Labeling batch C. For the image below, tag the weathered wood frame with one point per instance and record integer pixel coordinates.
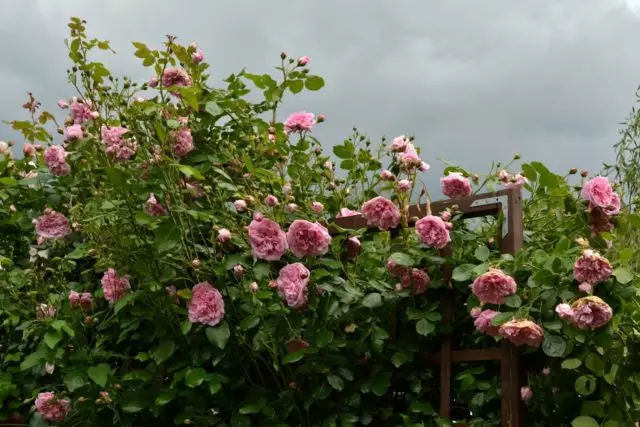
(507, 202)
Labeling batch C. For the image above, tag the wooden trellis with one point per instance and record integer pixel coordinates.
(507, 202)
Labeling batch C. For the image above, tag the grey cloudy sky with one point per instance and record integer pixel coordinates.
(472, 80)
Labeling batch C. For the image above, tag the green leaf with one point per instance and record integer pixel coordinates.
(190, 171)
(502, 318)
(583, 421)
(372, 300)
(261, 270)
(585, 385)
(250, 322)
(165, 397)
(554, 346)
(571, 364)
(37, 421)
(31, 360)
(164, 351)
(74, 380)
(314, 82)
(402, 258)
(240, 421)
(219, 335)
(194, 377)
(399, 358)
(167, 236)
(482, 253)
(529, 172)
(513, 301)
(9, 182)
(335, 382)
(623, 275)
(595, 364)
(251, 408)
(52, 338)
(324, 338)
(424, 327)
(295, 85)
(610, 377)
(116, 177)
(132, 402)
(343, 151)
(293, 357)
(463, 272)
(611, 423)
(123, 302)
(213, 108)
(99, 374)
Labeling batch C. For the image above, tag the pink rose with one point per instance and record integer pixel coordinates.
(308, 238)
(483, 323)
(114, 287)
(598, 192)
(515, 181)
(475, 312)
(175, 77)
(206, 305)
(52, 225)
(153, 82)
(345, 212)
(291, 208)
(418, 281)
(521, 332)
(493, 286)
(81, 112)
(153, 207)
(455, 185)
(614, 207)
(73, 133)
(240, 205)
(564, 311)
(63, 104)
(585, 287)
(182, 141)
(399, 144)
(433, 231)
(381, 212)
(424, 167)
(526, 393)
(197, 57)
(404, 185)
(52, 408)
(238, 271)
(224, 235)
(396, 269)
(29, 150)
(267, 240)
(292, 284)
(271, 200)
(317, 207)
(45, 311)
(55, 157)
(299, 122)
(353, 246)
(409, 159)
(303, 60)
(84, 300)
(590, 313)
(387, 175)
(592, 268)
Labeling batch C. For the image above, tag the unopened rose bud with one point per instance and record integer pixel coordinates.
(445, 215)
(353, 245)
(4, 147)
(12, 208)
(272, 129)
(238, 271)
(303, 60)
(271, 200)
(292, 385)
(350, 328)
(331, 186)
(273, 284)
(291, 208)
(387, 175)
(398, 286)
(272, 137)
(585, 287)
(475, 178)
(253, 287)
(546, 371)
(195, 263)
(581, 241)
(49, 368)
(321, 118)
(526, 393)
(328, 165)
(224, 235)
(584, 173)
(240, 205)
(40, 147)
(60, 131)
(317, 207)
(424, 167)
(286, 189)
(573, 171)
(491, 240)
(88, 320)
(283, 55)
(404, 185)
(29, 150)
(516, 156)
(92, 252)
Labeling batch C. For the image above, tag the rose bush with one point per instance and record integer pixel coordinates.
(169, 260)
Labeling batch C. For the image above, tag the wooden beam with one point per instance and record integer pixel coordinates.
(466, 356)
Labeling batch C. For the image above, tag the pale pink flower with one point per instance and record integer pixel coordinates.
(63, 104)
(182, 141)
(546, 371)
(387, 175)
(290, 208)
(404, 185)
(52, 408)
(303, 60)
(253, 287)
(592, 268)
(240, 205)
(197, 57)
(614, 207)
(49, 368)
(526, 393)
(292, 284)
(317, 207)
(153, 82)
(286, 189)
(345, 212)
(114, 287)
(590, 313)
(521, 332)
(238, 271)
(271, 200)
(424, 167)
(585, 287)
(433, 231)
(206, 305)
(55, 157)
(224, 235)
(504, 176)
(45, 311)
(381, 212)
(153, 207)
(399, 144)
(328, 166)
(515, 181)
(483, 323)
(52, 225)
(446, 216)
(272, 137)
(81, 112)
(29, 150)
(308, 238)
(299, 122)
(475, 312)
(268, 241)
(73, 133)
(115, 145)
(175, 77)
(598, 192)
(564, 311)
(112, 135)
(417, 280)
(409, 159)
(493, 286)
(455, 185)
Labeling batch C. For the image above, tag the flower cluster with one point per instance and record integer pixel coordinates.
(55, 157)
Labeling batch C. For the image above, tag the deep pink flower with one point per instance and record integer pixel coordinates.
(396, 269)
(224, 235)
(387, 175)
(526, 393)
(175, 77)
(55, 157)
(299, 122)
(308, 238)
(268, 241)
(182, 141)
(292, 284)
(81, 112)
(52, 225)
(153, 207)
(399, 144)
(404, 185)
(564, 311)
(271, 200)
(418, 281)
(455, 185)
(483, 321)
(73, 133)
(197, 57)
(345, 212)
(114, 287)
(206, 305)
(521, 332)
(303, 60)
(433, 231)
(592, 268)
(598, 192)
(409, 159)
(599, 221)
(51, 407)
(590, 313)
(317, 207)
(381, 212)
(493, 286)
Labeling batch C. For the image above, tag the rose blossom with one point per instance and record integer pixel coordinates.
(590, 313)
(292, 284)
(114, 287)
(63, 104)
(51, 408)
(521, 332)
(396, 269)
(182, 141)
(493, 286)
(175, 77)
(526, 393)
(455, 185)
(424, 167)
(585, 287)
(286, 189)
(308, 238)
(353, 245)
(290, 208)
(433, 231)
(153, 82)
(599, 193)
(224, 235)
(592, 268)
(52, 225)
(240, 205)
(73, 133)
(153, 206)
(55, 158)
(516, 181)
(4, 148)
(404, 185)
(45, 311)
(418, 281)
(299, 122)
(303, 60)
(115, 145)
(253, 287)
(399, 144)
(206, 305)
(238, 271)
(387, 175)
(268, 241)
(381, 212)
(564, 311)
(409, 158)
(197, 57)
(81, 111)
(317, 207)
(84, 300)
(271, 200)
(345, 212)
(599, 221)
(475, 312)
(483, 321)
(28, 149)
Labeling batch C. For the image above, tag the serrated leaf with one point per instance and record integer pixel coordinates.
(402, 258)
(74, 380)
(463, 272)
(482, 253)
(213, 108)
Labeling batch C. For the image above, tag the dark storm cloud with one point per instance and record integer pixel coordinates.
(473, 81)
